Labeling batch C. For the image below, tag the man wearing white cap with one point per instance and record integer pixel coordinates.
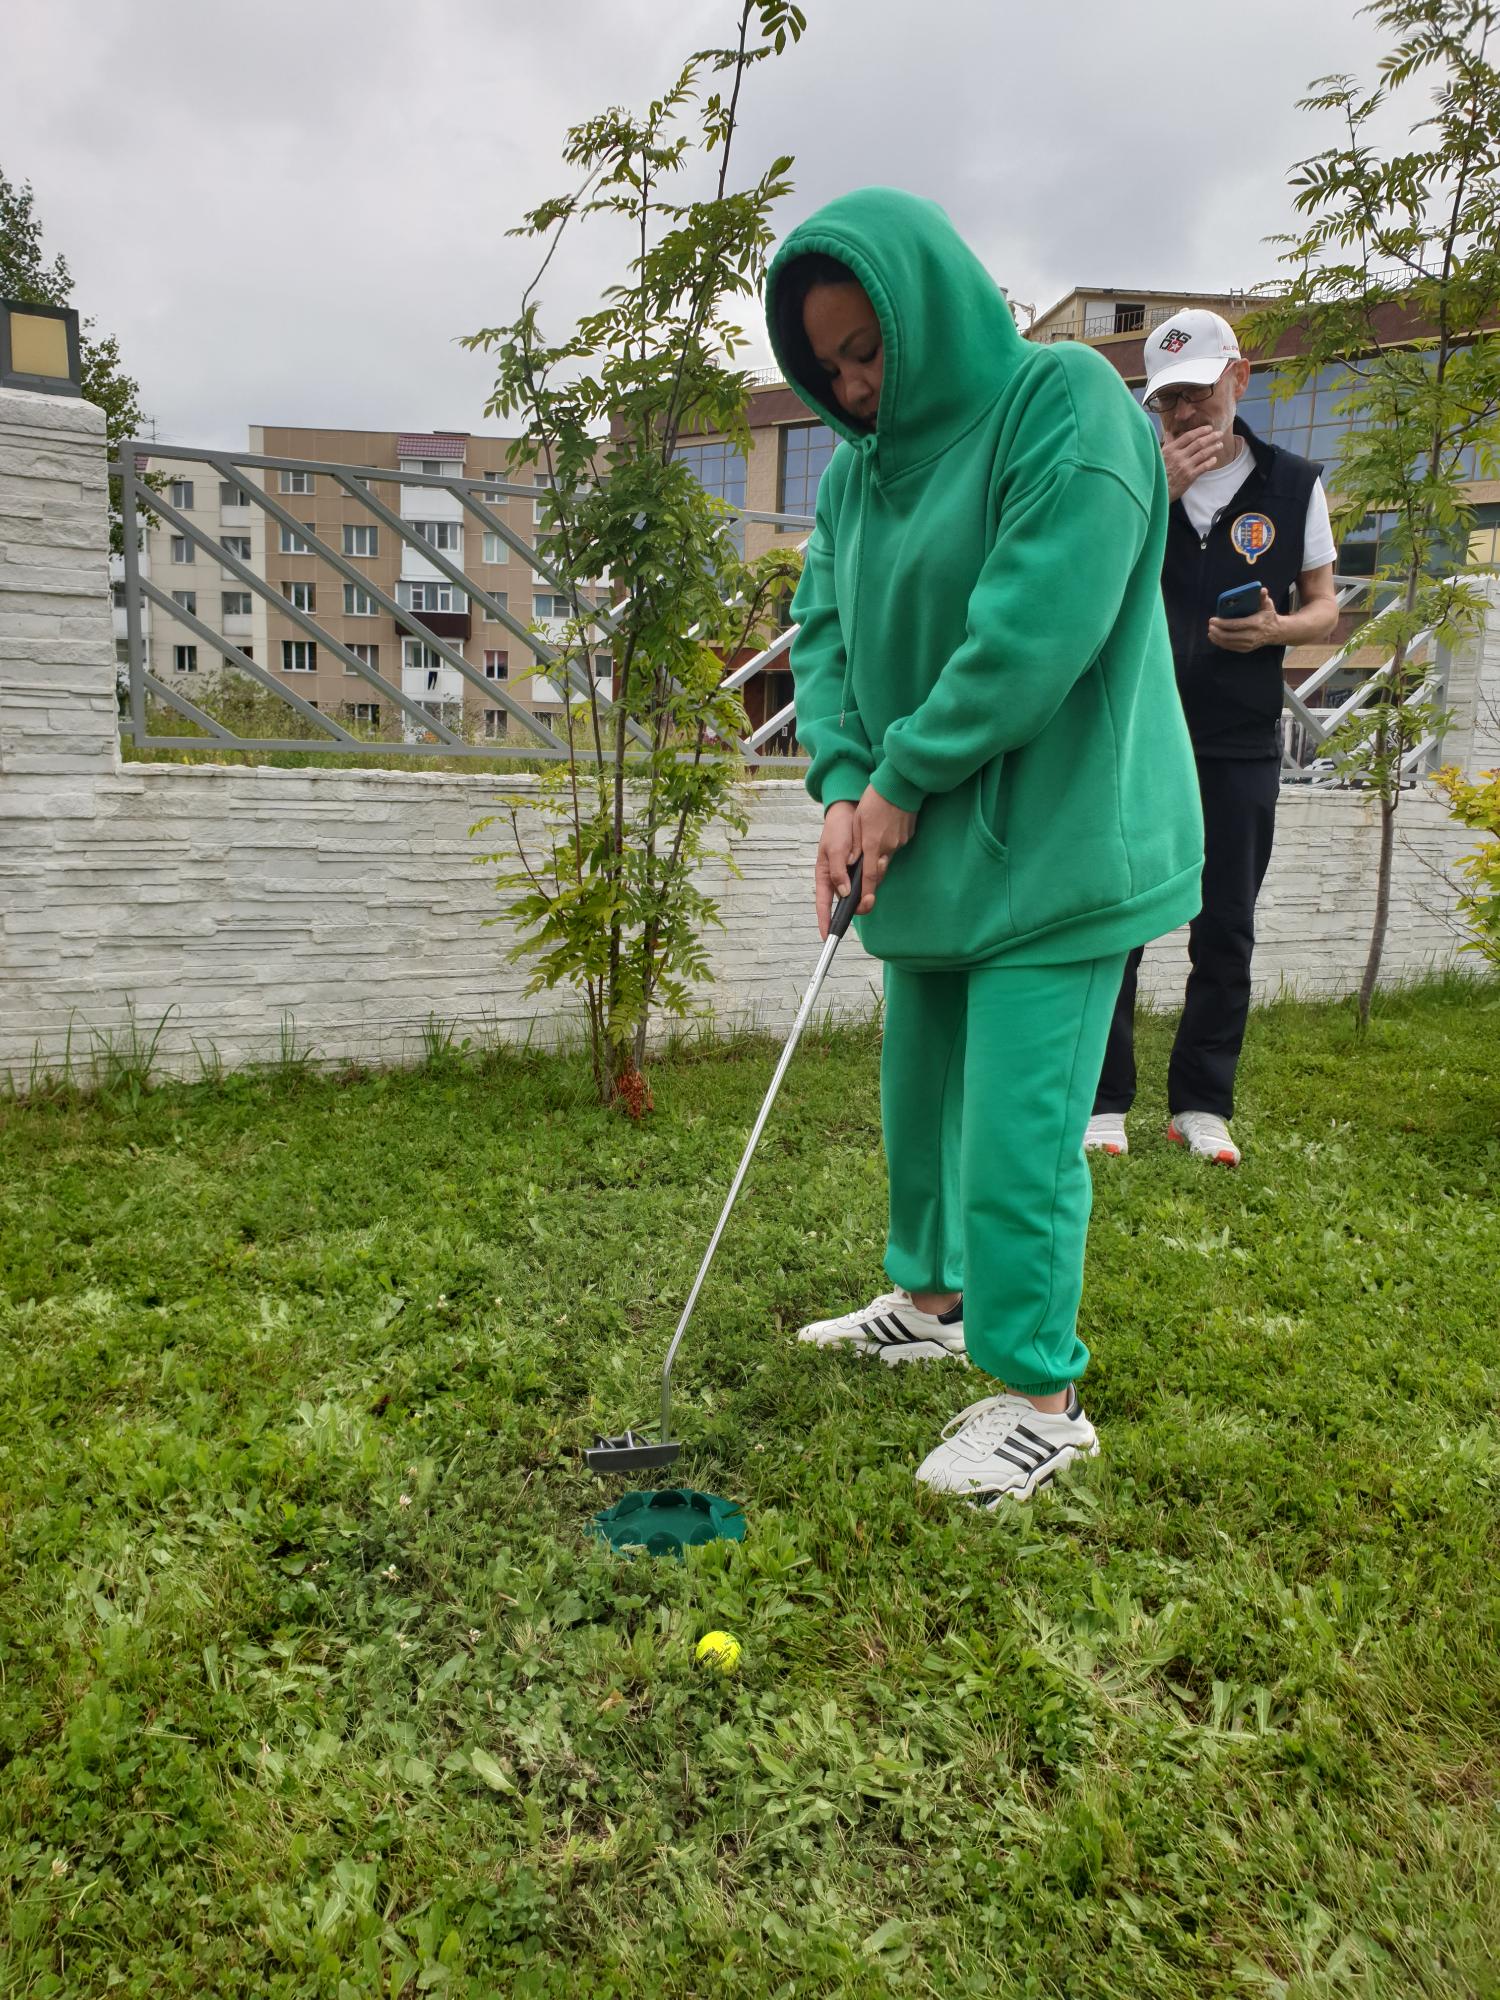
(1244, 513)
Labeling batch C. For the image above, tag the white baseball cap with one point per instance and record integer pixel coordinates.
(1193, 346)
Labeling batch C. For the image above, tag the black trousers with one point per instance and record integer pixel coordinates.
(1239, 819)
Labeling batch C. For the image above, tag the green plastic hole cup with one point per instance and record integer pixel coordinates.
(667, 1522)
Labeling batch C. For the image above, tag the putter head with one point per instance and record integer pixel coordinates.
(629, 1453)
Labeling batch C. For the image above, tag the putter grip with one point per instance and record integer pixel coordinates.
(845, 907)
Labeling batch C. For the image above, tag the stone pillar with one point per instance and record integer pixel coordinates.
(57, 654)
(59, 737)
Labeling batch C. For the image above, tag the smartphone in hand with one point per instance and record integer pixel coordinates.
(1241, 602)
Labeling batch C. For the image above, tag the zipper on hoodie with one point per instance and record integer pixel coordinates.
(1199, 604)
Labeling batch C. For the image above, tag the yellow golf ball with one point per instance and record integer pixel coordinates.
(720, 1650)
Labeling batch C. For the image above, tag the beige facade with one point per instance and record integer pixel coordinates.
(354, 617)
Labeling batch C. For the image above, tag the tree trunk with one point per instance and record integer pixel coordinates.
(1382, 904)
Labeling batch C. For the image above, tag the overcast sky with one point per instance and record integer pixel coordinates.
(287, 211)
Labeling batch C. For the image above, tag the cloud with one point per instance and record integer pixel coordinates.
(289, 213)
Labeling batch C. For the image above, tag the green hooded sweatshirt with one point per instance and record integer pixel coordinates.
(982, 634)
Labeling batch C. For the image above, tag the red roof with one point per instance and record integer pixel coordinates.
(417, 444)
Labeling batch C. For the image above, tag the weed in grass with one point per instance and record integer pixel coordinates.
(123, 1061)
(295, 1061)
(312, 1682)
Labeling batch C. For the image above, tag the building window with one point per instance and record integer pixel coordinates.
(292, 543)
(494, 499)
(496, 723)
(718, 468)
(182, 494)
(604, 672)
(362, 541)
(501, 600)
(185, 659)
(117, 596)
(367, 712)
(358, 603)
(248, 651)
(299, 656)
(296, 482)
(441, 534)
(417, 657)
(496, 665)
(368, 655)
(495, 549)
(430, 597)
(539, 507)
(183, 550)
(236, 545)
(551, 605)
(805, 452)
(231, 495)
(188, 599)
(235, 604)
(301, 596)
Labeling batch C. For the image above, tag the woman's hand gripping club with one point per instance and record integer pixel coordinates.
(875, 830)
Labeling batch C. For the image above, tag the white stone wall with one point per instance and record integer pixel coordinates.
(231, 905)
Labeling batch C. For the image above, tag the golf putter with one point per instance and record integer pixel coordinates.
(631, 1452)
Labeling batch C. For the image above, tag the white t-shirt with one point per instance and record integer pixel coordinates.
(1211, 492)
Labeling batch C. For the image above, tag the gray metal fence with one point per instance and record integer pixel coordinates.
(566, 669)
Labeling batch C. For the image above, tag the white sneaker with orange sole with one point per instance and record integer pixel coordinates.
(1203, 1133)
(1105, 1133)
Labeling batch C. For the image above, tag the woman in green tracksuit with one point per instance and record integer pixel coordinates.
(985, 691)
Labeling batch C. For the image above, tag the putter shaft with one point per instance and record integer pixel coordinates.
(840, 923)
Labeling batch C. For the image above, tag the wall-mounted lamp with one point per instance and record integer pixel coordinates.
(39, 348)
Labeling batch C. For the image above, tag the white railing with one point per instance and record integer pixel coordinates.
(1308, 726)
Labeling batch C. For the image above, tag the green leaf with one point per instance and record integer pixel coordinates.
(486, 1767)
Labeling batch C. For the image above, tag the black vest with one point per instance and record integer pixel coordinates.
(1233, 701)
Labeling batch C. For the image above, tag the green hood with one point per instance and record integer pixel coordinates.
(981, 635)
(950, 342)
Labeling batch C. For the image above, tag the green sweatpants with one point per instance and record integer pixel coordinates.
(987, 1079)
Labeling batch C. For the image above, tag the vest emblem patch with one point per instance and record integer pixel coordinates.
(1252, 535)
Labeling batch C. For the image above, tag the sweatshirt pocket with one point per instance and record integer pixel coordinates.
(989, 822)
(946, 899)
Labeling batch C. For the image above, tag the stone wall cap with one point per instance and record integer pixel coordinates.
(31, 410)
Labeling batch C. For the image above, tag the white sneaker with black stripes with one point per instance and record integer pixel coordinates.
(892, 1328)
(1004, 1448)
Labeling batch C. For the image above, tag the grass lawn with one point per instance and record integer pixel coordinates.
(312, 1683)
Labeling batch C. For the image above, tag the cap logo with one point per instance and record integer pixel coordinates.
(1175, 341)
(1252, 535)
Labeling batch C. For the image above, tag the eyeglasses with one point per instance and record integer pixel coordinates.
(1162, 400)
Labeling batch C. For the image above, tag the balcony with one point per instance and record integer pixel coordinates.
(442, 624)
(438, 687)
(1118, 320)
